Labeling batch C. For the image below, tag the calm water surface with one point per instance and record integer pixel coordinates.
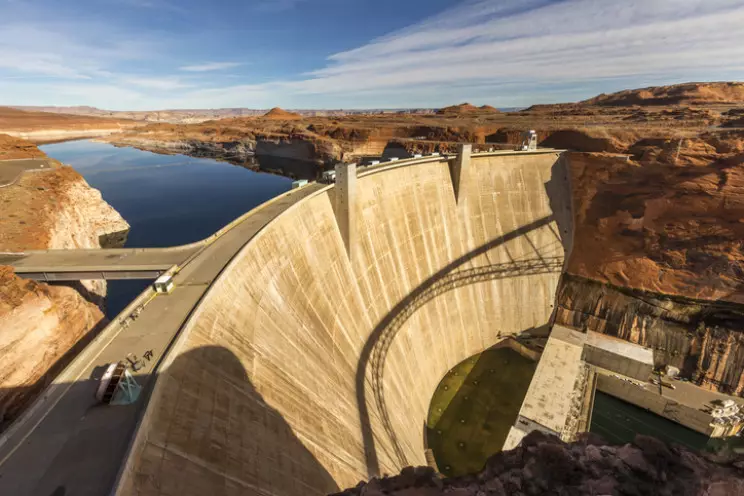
(167, 199)
(619, 422)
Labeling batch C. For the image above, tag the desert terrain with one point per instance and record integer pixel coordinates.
(191, 116)
(41, 127)
(658, 195)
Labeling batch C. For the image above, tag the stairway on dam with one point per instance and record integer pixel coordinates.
(310, 363)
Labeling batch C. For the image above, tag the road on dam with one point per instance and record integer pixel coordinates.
(311, 362)
(66, 427)
(297, 353)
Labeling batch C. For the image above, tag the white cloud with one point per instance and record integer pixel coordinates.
(66, 51)
(210, 66)
(510, 52)
(577, 40)
(480, 46)
(155, 83)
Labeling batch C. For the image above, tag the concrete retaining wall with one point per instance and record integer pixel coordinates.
(303, 371)
(668, 408)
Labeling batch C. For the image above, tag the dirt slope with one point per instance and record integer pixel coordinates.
(463, 108)
(687, 93)
(20, 120)
(13, 148)
(277, 114)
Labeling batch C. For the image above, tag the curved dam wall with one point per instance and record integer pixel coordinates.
(303, 372)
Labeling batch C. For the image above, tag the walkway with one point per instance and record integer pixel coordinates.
(66, 440)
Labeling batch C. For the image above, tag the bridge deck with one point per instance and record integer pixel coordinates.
(66, 439)
(119, 263)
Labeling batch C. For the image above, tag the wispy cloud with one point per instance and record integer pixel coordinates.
(210, 66)
(275, 5)
(155, 83)
(482, 49)
(576, 40)
(510, 52)
(66, 51)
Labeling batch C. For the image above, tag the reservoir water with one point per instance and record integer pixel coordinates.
(167, 199)
(618, 422)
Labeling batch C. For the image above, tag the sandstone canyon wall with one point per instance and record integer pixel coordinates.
(702, 338)
(40, 325)
(658, 258)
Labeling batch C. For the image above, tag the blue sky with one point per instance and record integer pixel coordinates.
(156, 54)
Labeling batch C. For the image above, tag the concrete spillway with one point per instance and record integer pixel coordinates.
(305, 370)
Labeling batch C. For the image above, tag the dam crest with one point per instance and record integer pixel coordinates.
(310, 363)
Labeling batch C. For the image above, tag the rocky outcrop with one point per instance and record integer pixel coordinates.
(657, 226)
(14, 148)
(59, 210)
(86, 220)
(235, 151)
(41, 328)
(278, 114)
(462, 108)
(543, 465)
(239, 149)
(686, 93)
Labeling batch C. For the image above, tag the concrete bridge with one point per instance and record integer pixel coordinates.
(118, 263)
(300, 348)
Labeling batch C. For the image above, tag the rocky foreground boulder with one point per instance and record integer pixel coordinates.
(543, 465)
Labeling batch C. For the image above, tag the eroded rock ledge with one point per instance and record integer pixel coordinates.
(41, 328)
(543, 465)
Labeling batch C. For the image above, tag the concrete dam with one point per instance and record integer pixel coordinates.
(310, 363)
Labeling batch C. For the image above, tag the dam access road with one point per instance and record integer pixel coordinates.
(300, 349)
(11, 169)
(66, 439)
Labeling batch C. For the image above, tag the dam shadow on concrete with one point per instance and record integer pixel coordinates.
(451, 277)
(90, 456)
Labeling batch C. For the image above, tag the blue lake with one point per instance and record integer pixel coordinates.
(167, 199)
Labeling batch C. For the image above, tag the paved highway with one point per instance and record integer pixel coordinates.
(11, 170)
(68, 443)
